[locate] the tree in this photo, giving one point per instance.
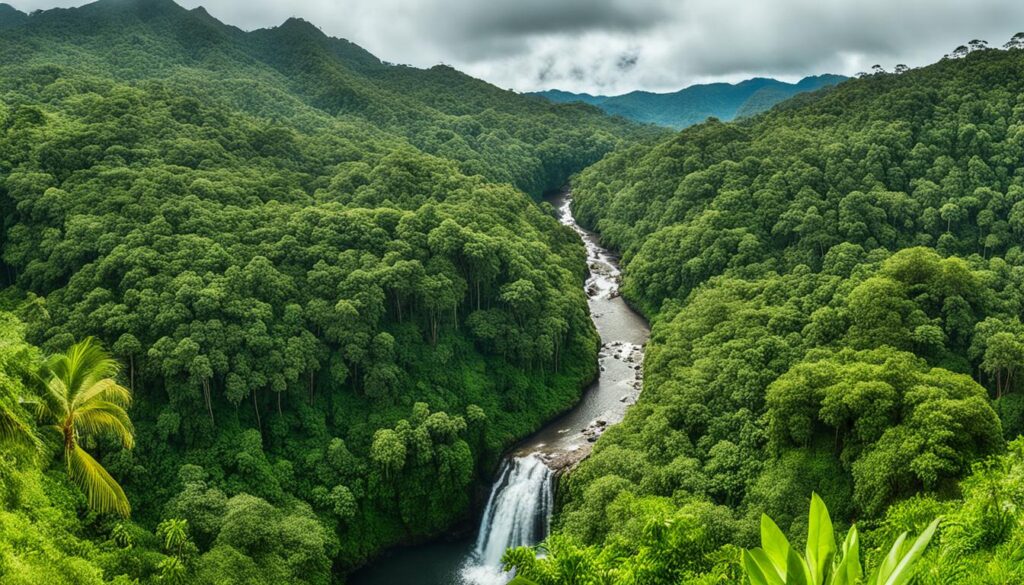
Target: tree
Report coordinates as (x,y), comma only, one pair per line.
(895,423)
(173,570)
(128,346)
(79,398)
(173,534)
(952,213)
(388,451)
(1004,355)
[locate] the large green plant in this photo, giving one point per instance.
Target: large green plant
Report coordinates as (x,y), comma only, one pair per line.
(81,398)
(777,563)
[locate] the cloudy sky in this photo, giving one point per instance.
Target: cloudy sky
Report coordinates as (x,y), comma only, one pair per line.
(614,46)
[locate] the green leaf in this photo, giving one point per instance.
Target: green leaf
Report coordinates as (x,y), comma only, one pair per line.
(775,545)
(904,569)
(890,561)
(103,493)
(841,574)
(753,570)
(821,541)
(796,569)
(849,571)
(759,568)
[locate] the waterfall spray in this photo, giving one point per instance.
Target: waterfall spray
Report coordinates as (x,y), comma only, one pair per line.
(518,513)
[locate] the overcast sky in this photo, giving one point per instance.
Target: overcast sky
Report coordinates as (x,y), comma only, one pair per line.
(614,46)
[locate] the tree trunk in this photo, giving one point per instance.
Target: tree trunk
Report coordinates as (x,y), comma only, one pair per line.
(256,407)
(208,400)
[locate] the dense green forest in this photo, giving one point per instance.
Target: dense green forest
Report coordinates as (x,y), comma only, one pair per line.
(695,104)
(269,305)
(333,299)
(836,290)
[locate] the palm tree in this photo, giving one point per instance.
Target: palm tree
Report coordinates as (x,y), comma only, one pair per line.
(80,398)
(174,533)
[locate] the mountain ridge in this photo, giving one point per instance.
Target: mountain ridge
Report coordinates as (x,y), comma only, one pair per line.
(696,103)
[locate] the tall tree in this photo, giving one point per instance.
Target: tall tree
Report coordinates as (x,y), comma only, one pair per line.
(81,398)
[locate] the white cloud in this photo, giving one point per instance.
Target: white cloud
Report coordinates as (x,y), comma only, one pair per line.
(613,46)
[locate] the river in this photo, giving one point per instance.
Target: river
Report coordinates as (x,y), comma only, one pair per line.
(519,507)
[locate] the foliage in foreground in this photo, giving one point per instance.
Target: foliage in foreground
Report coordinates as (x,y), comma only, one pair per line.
(778,563)
(978,540)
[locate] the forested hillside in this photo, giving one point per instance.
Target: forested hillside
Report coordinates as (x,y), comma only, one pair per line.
(836,289)
(695,104)
(333,299)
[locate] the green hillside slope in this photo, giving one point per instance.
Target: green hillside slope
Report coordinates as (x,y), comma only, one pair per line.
(836,290)
(334,299)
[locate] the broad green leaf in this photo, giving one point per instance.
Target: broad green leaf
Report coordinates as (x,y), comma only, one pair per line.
(841,575)
(775,545)
(796,569)
(821,541)
(890,561)
(904,570)
(753,571)
(850,566)
(758,565)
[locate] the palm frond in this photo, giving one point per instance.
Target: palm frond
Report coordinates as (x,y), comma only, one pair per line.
(107,390)
(101,417)
(83,365)
(102,491)
(51,403)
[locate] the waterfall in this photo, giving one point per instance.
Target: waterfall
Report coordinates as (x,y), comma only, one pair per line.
(518,513)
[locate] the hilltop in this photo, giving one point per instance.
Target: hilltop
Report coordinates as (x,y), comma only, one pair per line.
(694,104)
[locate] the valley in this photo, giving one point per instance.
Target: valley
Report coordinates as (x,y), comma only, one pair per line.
(519,508)
(274,309)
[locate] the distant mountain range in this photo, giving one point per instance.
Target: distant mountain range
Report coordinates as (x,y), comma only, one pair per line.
(694,104)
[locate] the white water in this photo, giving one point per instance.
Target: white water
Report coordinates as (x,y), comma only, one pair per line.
(518,513)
